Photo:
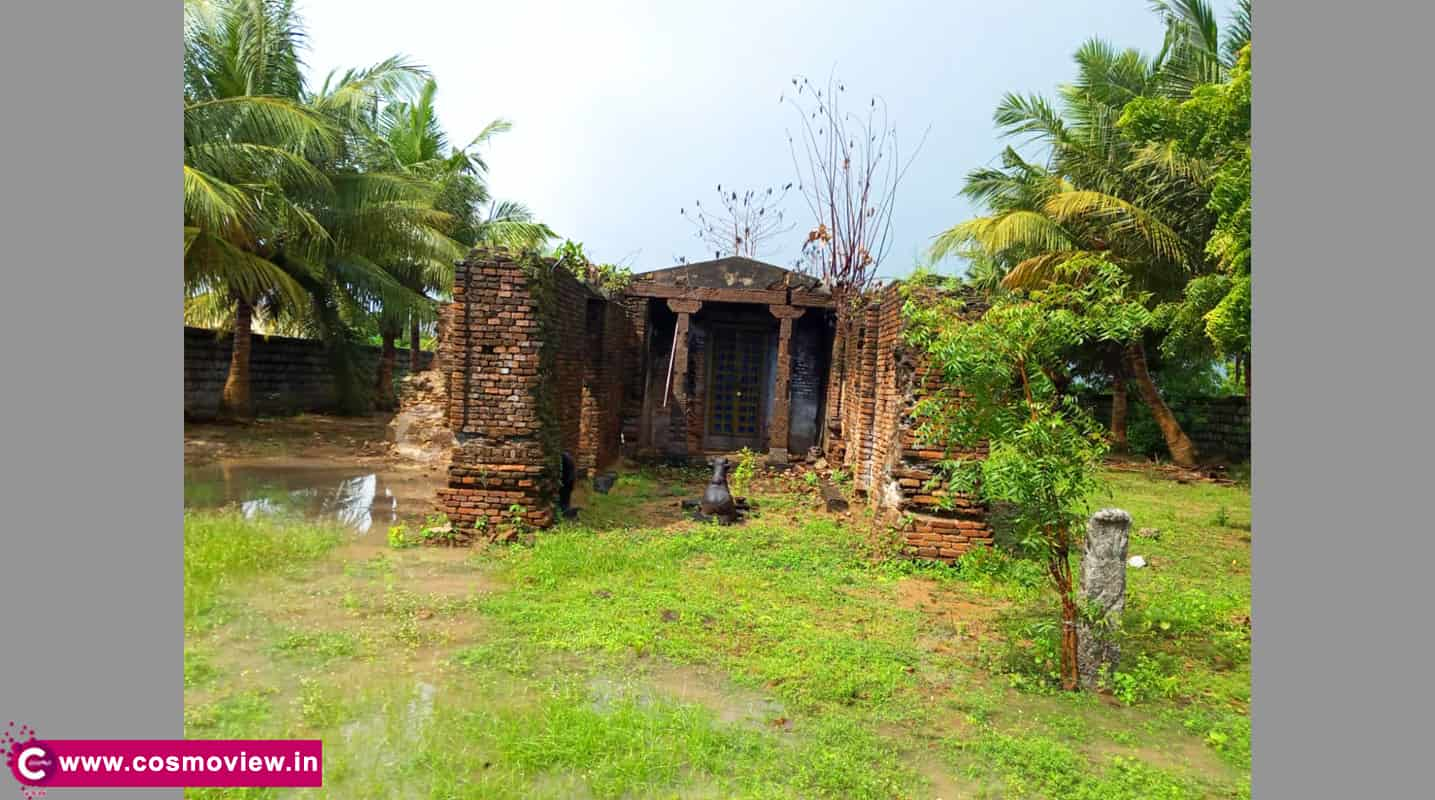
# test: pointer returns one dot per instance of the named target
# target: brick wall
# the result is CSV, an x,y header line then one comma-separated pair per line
x,y
635,339
887,461
569,323
527,380
1220,427
287,376
605,381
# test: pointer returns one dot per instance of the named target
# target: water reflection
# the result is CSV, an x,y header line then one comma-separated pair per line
x,y
357,501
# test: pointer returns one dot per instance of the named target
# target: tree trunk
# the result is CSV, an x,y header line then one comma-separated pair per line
x,y
1118,411
236,401
1059,567
415,359
1069,675
1247,370
384,386
1183,452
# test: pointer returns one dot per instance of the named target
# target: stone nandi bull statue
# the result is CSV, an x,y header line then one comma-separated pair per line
x,y
717,499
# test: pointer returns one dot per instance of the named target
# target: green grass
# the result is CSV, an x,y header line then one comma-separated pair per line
x,y
1026,766
765,602
222,548
319,647
641,655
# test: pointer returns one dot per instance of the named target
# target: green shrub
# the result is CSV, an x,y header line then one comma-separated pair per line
x,y
742,473
399,537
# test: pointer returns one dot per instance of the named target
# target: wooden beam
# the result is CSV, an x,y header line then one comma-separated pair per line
x,y
708,294
801,297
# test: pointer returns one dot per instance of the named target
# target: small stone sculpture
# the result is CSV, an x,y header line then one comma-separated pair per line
x,y
717,499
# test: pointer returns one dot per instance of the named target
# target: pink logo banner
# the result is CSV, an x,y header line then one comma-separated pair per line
x,y
156,763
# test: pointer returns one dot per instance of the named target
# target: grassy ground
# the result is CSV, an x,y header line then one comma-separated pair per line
x,y
638,654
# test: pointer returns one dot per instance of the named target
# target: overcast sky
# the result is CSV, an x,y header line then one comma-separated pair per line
x,y
625,111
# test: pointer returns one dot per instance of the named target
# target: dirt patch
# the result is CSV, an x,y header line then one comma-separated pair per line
x,y
307,435
365,565
965,617
642,497
625,510
1207,473
731,703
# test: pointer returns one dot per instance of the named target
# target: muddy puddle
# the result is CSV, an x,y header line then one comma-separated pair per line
x,y
356,496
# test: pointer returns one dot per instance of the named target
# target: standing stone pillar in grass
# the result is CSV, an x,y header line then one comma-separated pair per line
x,y
1103,593
781,408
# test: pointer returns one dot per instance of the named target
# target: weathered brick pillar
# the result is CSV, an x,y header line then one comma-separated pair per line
x,y
781,407
678,436
491,352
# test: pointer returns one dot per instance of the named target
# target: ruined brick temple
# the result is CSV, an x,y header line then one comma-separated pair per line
x,y
685,362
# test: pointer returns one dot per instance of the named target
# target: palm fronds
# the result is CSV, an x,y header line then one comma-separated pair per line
x,y
512,225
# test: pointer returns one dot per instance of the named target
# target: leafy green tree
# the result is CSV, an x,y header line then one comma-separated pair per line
x,y
1044,450
393,231
1096,196
1214,125
1135,203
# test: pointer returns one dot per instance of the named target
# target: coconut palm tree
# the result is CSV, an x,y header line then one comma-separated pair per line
x,y
1143,207
247,142
406,139
279,221
1195,50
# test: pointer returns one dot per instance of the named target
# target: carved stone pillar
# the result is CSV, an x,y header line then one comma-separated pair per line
x,y
781,407
678,431
1102,593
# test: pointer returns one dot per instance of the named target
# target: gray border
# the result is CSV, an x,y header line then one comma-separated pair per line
x,y
90,576
1341,561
